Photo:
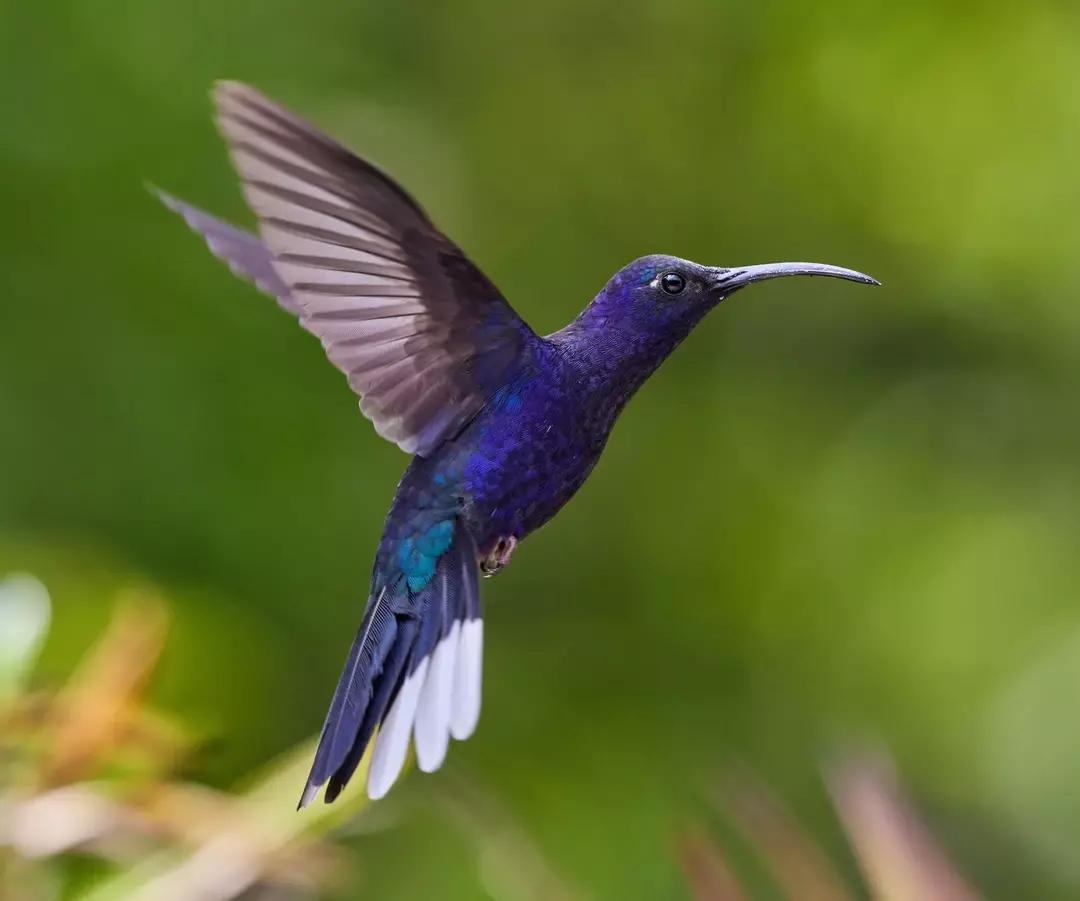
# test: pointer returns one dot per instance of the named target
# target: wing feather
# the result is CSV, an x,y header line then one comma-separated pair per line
x,y
399,309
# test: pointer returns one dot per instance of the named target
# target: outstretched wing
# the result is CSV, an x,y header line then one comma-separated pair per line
x,y
422,335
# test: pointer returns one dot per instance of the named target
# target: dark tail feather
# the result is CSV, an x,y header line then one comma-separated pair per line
x,y
406,637
374,643
387,686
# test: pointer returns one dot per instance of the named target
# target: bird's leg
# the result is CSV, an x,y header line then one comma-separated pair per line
x,y
498,557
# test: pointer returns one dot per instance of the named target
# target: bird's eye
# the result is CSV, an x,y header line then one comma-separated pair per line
x,y
672,283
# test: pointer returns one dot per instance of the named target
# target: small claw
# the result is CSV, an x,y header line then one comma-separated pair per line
x,y
498,558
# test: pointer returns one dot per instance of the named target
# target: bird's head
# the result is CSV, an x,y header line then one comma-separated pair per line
x,y
657,290
649,306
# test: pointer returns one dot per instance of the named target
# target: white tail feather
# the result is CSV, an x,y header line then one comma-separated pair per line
x,y
433,712
392,742
465,697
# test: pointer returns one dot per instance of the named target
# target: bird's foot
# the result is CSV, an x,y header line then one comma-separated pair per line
x,y
499,557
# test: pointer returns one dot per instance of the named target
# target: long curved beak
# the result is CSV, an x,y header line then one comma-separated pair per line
x,y
728,280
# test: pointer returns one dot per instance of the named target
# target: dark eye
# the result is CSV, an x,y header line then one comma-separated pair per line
x,y
672,283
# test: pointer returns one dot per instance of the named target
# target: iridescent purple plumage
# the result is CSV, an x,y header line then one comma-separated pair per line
x,y
505,426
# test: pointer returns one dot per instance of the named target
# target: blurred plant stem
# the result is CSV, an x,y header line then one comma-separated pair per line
x,y
706,870
899,859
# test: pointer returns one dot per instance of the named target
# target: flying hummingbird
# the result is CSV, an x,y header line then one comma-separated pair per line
x,y
503,425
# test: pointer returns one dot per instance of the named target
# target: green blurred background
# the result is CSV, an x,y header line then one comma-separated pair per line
x,y
836,514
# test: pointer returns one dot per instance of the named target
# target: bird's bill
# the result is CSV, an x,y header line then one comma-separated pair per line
x,y
728,280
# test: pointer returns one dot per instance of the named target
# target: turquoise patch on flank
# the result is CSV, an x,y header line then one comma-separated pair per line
x,y
436,540
418,557
423,574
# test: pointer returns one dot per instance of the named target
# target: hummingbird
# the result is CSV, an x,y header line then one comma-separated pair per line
x,y
503,425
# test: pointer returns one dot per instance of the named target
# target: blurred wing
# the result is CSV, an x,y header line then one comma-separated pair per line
x,y
246,255
422,335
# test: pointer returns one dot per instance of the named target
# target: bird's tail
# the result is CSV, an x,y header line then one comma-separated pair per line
x,y
414,670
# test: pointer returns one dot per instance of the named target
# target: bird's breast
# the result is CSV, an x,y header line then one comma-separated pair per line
x,y
529,452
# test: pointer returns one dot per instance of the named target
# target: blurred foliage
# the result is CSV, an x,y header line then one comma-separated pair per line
x,y
833,513
89,773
